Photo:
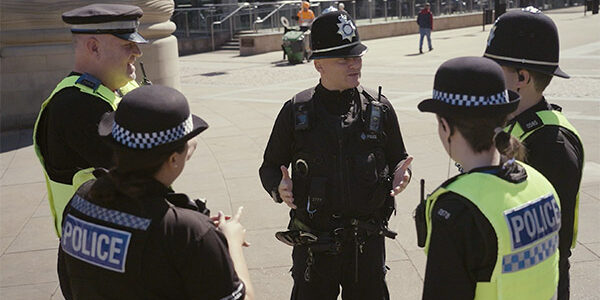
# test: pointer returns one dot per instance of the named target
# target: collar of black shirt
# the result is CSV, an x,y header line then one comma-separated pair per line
x,y
336,102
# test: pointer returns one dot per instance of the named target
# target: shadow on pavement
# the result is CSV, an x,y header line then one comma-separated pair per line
x,y
17,139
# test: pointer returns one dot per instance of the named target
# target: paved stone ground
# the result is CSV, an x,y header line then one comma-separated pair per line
x,y
240,97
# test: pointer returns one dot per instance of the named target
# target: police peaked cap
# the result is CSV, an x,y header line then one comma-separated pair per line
x,y
470,87
334,34
151,118
525,39
119,20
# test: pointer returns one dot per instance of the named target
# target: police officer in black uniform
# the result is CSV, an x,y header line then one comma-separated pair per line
x,y
127,235
105,39
348,161
554,146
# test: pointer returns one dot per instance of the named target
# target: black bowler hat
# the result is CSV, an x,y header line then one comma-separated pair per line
x,y
525,39
470,86
152,117
334,34
119,20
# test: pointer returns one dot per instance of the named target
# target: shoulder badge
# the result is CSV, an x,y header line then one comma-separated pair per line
x,y
530,122
89,81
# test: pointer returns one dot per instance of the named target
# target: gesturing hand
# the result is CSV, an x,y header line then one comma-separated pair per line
x,y
232,228
285,188
401,176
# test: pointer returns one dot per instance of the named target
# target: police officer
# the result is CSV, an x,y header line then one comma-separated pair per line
x,y
492,231
348,161
65,135
127,235
554,146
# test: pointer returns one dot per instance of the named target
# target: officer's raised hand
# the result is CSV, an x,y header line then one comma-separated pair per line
x,y
402,176
285,188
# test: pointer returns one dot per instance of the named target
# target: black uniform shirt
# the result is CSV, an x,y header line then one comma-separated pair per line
x,y
68,134
463,245
557,153
184,256
279,147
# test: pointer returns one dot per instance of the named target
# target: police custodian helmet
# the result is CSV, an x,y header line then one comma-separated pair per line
x,y
334,34
470,87
119,20
525,39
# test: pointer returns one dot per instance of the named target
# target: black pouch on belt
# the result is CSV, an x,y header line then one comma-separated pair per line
x,y
316,194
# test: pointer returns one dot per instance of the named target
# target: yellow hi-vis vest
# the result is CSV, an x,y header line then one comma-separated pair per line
x,y
60,193
548,118
526,219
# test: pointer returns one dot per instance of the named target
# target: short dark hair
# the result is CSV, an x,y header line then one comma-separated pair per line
x,y
540,80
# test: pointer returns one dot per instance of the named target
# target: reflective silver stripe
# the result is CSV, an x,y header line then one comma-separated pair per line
x,y
522,60
109,215
237,294
335,48
132,24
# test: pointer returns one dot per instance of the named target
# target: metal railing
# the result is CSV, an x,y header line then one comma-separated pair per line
x,y
228,17
267,17
207,20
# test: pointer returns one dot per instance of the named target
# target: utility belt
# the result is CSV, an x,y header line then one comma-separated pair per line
x,y
351,231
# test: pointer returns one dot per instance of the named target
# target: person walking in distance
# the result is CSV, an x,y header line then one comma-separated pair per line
x,y
425,22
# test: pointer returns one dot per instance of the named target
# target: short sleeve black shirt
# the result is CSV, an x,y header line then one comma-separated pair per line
x,y
67,134
183,257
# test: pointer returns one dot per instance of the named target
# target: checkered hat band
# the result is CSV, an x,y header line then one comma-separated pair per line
x,y
470,100
109,215
148,140
531,256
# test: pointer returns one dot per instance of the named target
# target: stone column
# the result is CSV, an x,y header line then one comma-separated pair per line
x,y
36,52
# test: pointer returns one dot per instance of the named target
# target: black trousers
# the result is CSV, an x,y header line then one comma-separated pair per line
x,y
328,272
563,273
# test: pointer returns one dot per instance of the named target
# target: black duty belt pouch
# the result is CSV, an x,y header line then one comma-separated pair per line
x,y
421,224
316,194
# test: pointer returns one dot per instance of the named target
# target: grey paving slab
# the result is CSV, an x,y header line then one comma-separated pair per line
x,y
29,291
594,247
31,267
403,281
240,98
272,283
584,280
265,251
37,234
17,204
263,214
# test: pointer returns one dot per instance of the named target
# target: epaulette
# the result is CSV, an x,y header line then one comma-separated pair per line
x,y
90,81
302,109
530,122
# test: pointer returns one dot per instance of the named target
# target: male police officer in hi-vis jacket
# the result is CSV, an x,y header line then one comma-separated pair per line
x,y
65,137
553,145
343,145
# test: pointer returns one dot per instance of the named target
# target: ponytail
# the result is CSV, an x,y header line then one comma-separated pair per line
x,y
508,145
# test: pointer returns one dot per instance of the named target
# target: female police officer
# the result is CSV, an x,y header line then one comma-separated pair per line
x,y
492,231
127,235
